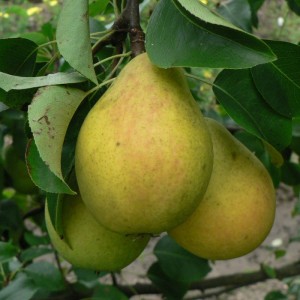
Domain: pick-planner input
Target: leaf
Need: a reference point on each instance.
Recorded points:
(216, 44)
(54, 205)
(88, 278)
(178, 263)
(268, 155)
(22, 288)
(270, 271)
(290, 173)
(34, 252)
(237, 12)
(97, 7)
(10, 82)
(276, 295)
(108, 292)
(41, 174)
(16, 99)
(255, 5)
(10, 216)
(49, 116)
(45, 276)
(279, 81)
(7, 251)
(17, 56)
(171, 288)
(294, 5)
(36, 240)
(73, 37)
(237, 93)
(203, 12)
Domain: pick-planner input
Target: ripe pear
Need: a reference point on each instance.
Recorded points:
(144, 154)
(89, 245)
(238, 209)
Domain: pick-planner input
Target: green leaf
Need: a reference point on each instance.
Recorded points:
(45, 275)
(255, 6)
(279, 81)
(237, 93)
(49, 116)
(73, 37)
(41, 174)
(178, 263)
(7, 251)
(294, 5)
(290, 173)
(270, 157)
(88, 278)
(203, 12)
(108, 292)
(16, 99)
(172, 289)
(296, 209)
(36, 240)
(279, 253)
(10, 82)
(97, 7)
(216, 44)
(21, 288)
(270, 271)
(276, 295)
(34, 252)
(54, 205)
(17, 56)
(10, 216)
(237, 12)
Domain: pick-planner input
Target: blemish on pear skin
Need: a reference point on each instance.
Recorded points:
(118, 144)
(234, 155)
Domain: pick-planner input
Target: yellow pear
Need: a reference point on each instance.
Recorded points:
(89, 245)
(144, 154)
(238, 209)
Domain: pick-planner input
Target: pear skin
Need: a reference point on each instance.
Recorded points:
(144, 154)
(90, 245)
(238, 209)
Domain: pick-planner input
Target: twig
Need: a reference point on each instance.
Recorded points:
(127, 22)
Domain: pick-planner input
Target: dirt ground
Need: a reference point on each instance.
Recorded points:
(285, 227)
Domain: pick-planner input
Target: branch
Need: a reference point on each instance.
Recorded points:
(227, 283)
(240, 279)
(127, 22)
(136, 34)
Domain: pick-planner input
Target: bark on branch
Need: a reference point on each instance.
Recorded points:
(235, 280)
(127, 23)
(227, 282)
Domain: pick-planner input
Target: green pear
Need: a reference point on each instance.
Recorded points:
(144, 154)
(89, 245)
(238, 209)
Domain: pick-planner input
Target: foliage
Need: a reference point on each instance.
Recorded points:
(51, 74)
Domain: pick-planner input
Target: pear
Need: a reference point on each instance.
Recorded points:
(89, 245)
(238, 209)
(144, 154)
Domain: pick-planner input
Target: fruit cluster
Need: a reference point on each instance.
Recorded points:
(148, 162)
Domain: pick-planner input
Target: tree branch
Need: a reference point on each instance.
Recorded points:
(227, 283)
(240, 279)
(127, 22)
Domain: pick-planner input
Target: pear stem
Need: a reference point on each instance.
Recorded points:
(136, 34)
